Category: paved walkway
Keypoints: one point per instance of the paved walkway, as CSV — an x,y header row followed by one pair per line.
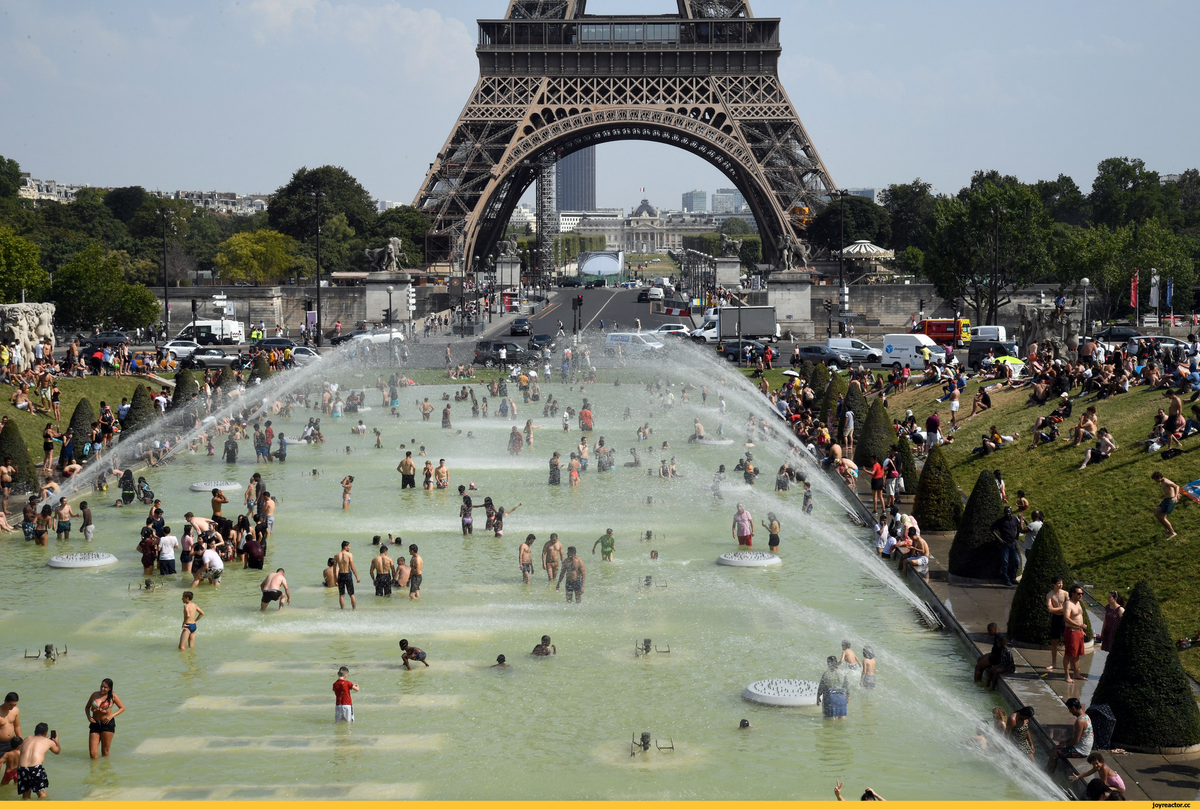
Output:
x,y
968,609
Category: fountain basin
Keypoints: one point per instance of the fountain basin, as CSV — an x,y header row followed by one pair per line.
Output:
x,y
783,692
749,559
77,560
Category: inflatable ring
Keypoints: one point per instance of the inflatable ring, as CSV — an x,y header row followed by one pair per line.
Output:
x,y
223,485
788,693
76,560
749,559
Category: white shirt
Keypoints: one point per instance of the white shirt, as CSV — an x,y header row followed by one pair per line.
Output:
x,y
167,546
213,560
1034,528
849,421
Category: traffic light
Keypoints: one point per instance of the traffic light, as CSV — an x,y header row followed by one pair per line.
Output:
x,y
828,305
195,307
387,316
308,304
412,298
577,302
844,298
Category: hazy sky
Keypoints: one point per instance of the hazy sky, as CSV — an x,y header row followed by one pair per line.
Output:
x,y
236,96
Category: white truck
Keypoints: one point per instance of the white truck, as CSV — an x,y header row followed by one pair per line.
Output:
x,y
214,332
748,323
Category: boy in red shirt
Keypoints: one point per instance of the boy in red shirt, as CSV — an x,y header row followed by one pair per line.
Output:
x,y
343,710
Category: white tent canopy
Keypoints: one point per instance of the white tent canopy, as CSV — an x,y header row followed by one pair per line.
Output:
x,y
864,250
608,262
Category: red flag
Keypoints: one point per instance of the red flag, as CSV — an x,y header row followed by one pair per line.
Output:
x,y
1133,289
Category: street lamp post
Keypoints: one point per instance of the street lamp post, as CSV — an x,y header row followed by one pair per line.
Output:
x,y
1086,282
317,197
992,296
391,346
164,211
841,194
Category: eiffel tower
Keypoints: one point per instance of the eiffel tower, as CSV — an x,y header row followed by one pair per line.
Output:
x,y
554,79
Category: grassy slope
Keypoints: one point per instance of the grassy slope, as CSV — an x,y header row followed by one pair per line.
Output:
x,y
102,388
1104,515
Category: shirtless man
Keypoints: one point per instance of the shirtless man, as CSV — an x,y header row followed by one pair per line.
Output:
x,y
545,648
10,721
848,656
63,515
201,525
1170,491
955,397
408,472
525,557
89,527
329,574
412,653
191,614
31,775
268,510
573,572
441,475
1073,637
416,569
552,553
1055,600
347,574
7,470
426,408
381,572
274,588
218,499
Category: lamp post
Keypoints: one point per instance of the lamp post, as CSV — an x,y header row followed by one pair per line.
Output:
x,y
317,196
391,347
164,211
1086,282
841,194
992,296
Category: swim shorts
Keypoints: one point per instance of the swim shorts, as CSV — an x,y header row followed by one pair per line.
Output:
x,y
575,586
31,779
1056,627
414,582
345,584
213,575
103,727
1074,643
1166,506
89,531
526,567
64,527
748,541
271,595
383,584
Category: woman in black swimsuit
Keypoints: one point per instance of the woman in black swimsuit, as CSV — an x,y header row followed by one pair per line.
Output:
x,y
102,709
48,436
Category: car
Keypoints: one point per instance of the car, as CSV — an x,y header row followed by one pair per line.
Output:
x,y
180,349
1117,334
655,294
599,283
1159,344
818,354
381,335
540,342
979,350
345,337
108,339
732,349
677,329
571,282
303,355
520,326
487,353
855,349
267,343
644,296
213,358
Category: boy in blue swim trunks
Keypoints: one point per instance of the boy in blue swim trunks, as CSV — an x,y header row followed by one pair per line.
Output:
x,y
191,614
411,653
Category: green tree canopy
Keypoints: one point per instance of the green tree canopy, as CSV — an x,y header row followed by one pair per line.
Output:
x,y
975,552
263,255
937,505
141,411
910,206
10,178
751,252
409,224
864,220
293,212
88,288
735,227
875,437
126,202
1063,201
20,269
1125,192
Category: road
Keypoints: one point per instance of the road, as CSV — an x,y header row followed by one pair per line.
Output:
x,y
618,306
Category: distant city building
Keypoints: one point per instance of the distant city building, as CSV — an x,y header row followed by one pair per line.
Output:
x,y
1163,179
647,229
569,220
695,201
575,181
721,218
522,216
216,201
46,190
382,205
872,194
728,200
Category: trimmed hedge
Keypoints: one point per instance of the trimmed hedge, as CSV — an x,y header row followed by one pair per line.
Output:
x,y
837,387
908,465
818,380
186,388
857,403
260,369
975,552
937,504
1143,682
81,428
806,370
876,436
1028,619
12,446
141,412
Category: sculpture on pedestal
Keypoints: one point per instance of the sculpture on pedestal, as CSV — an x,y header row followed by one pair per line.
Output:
x,y
25,324
386,259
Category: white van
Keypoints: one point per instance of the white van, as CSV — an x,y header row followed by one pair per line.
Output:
x,y
905,349
655,294
214,332
709,332
855,349
994,333
712,314
631,343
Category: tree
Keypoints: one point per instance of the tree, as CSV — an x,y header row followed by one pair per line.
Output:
x,y
1143,682
910,206
908,465
975,552
409,224
259,256
1063,200
80,428
20,270
339,243
911,261
126,202
141,412
818,380
735,227
137,307
87,289
1028,620
186,388
751,252
864,220
293,212
12,446
875,437
1124,192
937,505
260,369
964,262
10,178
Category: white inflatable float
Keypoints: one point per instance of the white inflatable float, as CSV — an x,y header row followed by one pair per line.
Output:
x,y
74,560
223,485
787,693
713,442
749,559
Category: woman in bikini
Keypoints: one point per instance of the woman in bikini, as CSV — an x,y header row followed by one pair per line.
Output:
x,y
101,710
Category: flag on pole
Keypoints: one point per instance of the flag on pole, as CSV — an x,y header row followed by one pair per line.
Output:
x,y
1153,288
1170,290
1133,289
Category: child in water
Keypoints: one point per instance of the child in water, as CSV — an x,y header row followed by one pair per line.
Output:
x,y
808,504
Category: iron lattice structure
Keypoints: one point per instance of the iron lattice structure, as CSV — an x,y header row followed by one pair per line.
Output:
x,y
554,79
547,216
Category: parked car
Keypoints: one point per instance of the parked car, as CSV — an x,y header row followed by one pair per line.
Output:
x,y
381,335
487,353
179,349
539,342
108,339
571,282
267,343
303,355
344,337
732,349
1117,334
213,358
644,296
520,326
980,348
827,355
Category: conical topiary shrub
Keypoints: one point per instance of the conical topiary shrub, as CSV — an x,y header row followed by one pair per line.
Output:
x,y
837,387
224,379
857,403
908,464
1143,682
260,369
818,379
876,436
186,388
975,552
81,428
937,504
12,446
141,412
1028,619
806,370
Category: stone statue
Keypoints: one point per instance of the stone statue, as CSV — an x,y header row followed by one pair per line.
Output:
x,y
25,324
386,259
506,248
785,260
730,248
1039,324
805,251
